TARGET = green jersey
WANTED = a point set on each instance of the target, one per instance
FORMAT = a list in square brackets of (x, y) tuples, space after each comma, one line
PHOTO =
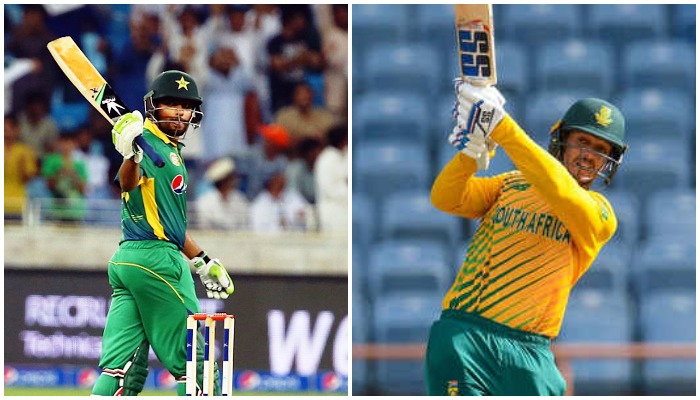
[(156, 209)]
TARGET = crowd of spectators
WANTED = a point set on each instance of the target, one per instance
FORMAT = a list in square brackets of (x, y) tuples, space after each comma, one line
[(274, 80)]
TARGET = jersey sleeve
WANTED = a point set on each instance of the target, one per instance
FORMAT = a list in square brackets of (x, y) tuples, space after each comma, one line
[(587, 214), (457, 191)]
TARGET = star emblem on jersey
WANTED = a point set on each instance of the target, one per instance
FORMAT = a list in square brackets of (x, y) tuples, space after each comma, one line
[(182, 83), (604, 116)]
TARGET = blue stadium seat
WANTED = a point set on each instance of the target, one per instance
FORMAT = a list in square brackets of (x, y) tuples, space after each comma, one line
[(654, 164), (665, 263), (410, 215), (609, 271), (359, 276), (655, 112), (534, 24), (360, 334), (627, 210), (358, 78), (70, 116), (513, 67), (544, 108), (666, 64), (597, 316), (683, 21), (384, 167), (395, 115), (412, 67), (404, 318), (671, 212), (669, 317), (435, 25), (624, 23), (415, 266), (575, 64), (363, 221), (375, 23)]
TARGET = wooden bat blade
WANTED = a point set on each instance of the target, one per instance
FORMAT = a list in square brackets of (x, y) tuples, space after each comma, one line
[(475, 44), (85, 77)]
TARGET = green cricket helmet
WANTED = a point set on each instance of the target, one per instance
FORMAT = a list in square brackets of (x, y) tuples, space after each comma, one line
[(174, 85), (598, 118)]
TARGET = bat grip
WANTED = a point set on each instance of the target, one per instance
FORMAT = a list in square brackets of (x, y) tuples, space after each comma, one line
[(152, 154)]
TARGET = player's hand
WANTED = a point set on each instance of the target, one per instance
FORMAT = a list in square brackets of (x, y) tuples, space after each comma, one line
[(125, 132), (474, 145), (214, 277), (480, 107)]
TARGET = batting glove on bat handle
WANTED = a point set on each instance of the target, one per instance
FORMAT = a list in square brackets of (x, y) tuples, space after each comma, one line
[(215, 278), (124, 134)]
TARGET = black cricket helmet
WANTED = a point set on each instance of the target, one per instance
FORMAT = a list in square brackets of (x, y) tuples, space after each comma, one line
[(175, 85)]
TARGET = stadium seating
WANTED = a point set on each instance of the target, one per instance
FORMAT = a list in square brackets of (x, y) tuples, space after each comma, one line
[(655, 112), (669, 317), (360, 334), (683, 21), (414, 266), (598, 316), (666, 64), (411, 66), (363, 220), (671, 212), (384, 167), (392, 115), (376, 23), (513, 71), (665, 263), (627, 210), (624, 23), (654, 164), (535, 24), (431, 20), (403, 318), (410, 215), (574, 65), (609, 272)]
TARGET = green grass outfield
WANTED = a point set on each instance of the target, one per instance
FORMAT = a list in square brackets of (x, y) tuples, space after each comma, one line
[(29, 391)]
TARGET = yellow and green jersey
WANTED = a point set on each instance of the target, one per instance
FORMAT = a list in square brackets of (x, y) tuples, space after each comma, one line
[(540, 232), (156, 209)]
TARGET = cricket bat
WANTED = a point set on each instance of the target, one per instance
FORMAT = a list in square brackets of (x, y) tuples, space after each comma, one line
[(93, 87), (475, 46)]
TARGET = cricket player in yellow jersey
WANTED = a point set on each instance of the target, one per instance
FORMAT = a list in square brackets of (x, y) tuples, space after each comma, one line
[(541, 228)]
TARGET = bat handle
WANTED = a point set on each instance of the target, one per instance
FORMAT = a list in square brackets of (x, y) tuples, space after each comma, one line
[(152, 154)]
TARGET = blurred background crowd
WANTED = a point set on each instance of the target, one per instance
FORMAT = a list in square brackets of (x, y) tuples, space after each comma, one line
[(270, 154)]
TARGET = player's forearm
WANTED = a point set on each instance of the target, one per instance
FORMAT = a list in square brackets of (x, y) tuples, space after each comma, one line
[(456, 191), (191, 248), (129, 175)]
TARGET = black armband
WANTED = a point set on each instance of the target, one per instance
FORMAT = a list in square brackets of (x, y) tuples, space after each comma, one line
[(204, 256)]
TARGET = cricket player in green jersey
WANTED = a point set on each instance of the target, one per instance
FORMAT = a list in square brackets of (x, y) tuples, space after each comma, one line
[(153, 289)]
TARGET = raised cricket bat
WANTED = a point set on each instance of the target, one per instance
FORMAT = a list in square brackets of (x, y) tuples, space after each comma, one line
[(93, 87), (475, 46)]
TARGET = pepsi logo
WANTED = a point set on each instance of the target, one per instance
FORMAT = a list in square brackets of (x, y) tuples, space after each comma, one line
[(86, 377), (248, 380), (330, 381), (11, 375), (165, 379), (178, 184)]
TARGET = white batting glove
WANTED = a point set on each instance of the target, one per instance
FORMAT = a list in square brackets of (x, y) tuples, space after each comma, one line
[(480, 107), (214, 277), (474, 145), (125, 132)]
